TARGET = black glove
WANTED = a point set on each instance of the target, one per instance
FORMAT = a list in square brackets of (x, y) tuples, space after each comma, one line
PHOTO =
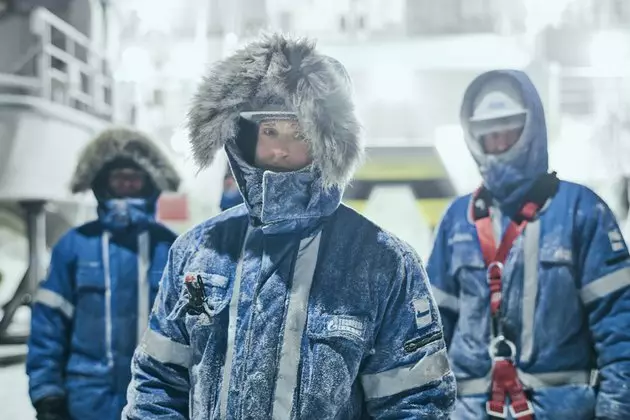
[(52, 408)]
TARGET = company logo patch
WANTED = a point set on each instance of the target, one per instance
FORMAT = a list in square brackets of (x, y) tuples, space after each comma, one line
[(563, 254), (460, 237), (346, 325), (422, 309)]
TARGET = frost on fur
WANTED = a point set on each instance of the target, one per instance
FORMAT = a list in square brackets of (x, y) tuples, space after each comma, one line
[(288, 72), (124, 143)]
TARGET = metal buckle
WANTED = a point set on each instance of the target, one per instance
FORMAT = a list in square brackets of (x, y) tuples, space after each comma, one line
[(492, 266), (491, 412), (493, 348), (528, 412)]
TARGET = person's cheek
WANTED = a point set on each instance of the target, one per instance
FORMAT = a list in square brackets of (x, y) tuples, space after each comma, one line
[(261, 147), (304, 154)]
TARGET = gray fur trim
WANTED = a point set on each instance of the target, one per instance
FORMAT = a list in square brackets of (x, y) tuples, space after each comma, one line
[(279, 70), (124, 143)]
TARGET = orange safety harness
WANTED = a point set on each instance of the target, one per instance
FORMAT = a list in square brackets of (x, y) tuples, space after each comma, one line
[(505, 381)]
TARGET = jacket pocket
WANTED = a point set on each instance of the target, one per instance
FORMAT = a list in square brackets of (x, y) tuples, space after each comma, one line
[(90, 314), (469, 270), (216, 291), (467, 265), (558, 300), (471, 335), (556, 257), (207, 329), (90, 277), (556, 275), (337, 346), (206, 324)]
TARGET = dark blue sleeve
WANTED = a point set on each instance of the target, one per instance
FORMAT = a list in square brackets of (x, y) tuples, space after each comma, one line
[(408, 376), (604, 274), (443, 285), (51, 319), (159, 386)]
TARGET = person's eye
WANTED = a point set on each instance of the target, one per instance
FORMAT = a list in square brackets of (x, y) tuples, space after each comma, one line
[(271, 132)]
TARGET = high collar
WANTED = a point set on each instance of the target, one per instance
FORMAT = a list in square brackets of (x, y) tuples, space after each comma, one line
[(127, 214), (282, 202)]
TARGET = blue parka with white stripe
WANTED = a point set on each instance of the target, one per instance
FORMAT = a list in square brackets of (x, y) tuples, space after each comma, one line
[(311, 311), (566, 294), (95, 302)]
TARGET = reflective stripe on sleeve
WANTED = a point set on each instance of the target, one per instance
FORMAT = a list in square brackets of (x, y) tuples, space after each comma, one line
[(606, 285), (54, 300), (165, 350), (431, 367)]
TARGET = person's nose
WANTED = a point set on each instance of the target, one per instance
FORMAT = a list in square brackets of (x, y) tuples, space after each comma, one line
[(280, 152)]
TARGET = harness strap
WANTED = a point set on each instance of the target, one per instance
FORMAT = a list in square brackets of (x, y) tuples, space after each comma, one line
[(505, 381)]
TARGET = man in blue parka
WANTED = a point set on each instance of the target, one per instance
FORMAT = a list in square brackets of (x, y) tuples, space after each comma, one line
[(556, 311), (94, 304), (290, 306)]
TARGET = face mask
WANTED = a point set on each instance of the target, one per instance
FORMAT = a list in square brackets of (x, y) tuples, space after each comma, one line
[(125, 212)]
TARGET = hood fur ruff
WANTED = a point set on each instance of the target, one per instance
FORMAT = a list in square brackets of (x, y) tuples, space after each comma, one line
[(124, 143), (289, 72)]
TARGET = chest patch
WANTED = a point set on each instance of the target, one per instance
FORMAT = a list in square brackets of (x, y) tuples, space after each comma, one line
[(422, 310), (460, 237), (346, 324)]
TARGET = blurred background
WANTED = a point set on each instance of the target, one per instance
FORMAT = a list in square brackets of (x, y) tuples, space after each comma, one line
[(69, 68)]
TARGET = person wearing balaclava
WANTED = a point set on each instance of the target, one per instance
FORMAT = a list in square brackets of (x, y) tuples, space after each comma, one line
[(531, 274), (291, 306), (94, 304)]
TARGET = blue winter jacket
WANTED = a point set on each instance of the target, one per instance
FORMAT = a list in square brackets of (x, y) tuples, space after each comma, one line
[(89, 312), (312, 312), (566, 300)]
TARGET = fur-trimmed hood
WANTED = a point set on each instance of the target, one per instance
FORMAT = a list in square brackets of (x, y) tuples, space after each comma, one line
[(129, 144), (287, 72)]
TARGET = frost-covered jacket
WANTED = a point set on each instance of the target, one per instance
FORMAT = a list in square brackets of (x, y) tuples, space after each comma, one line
[(93, 307), (566, 297), (311, 311)]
